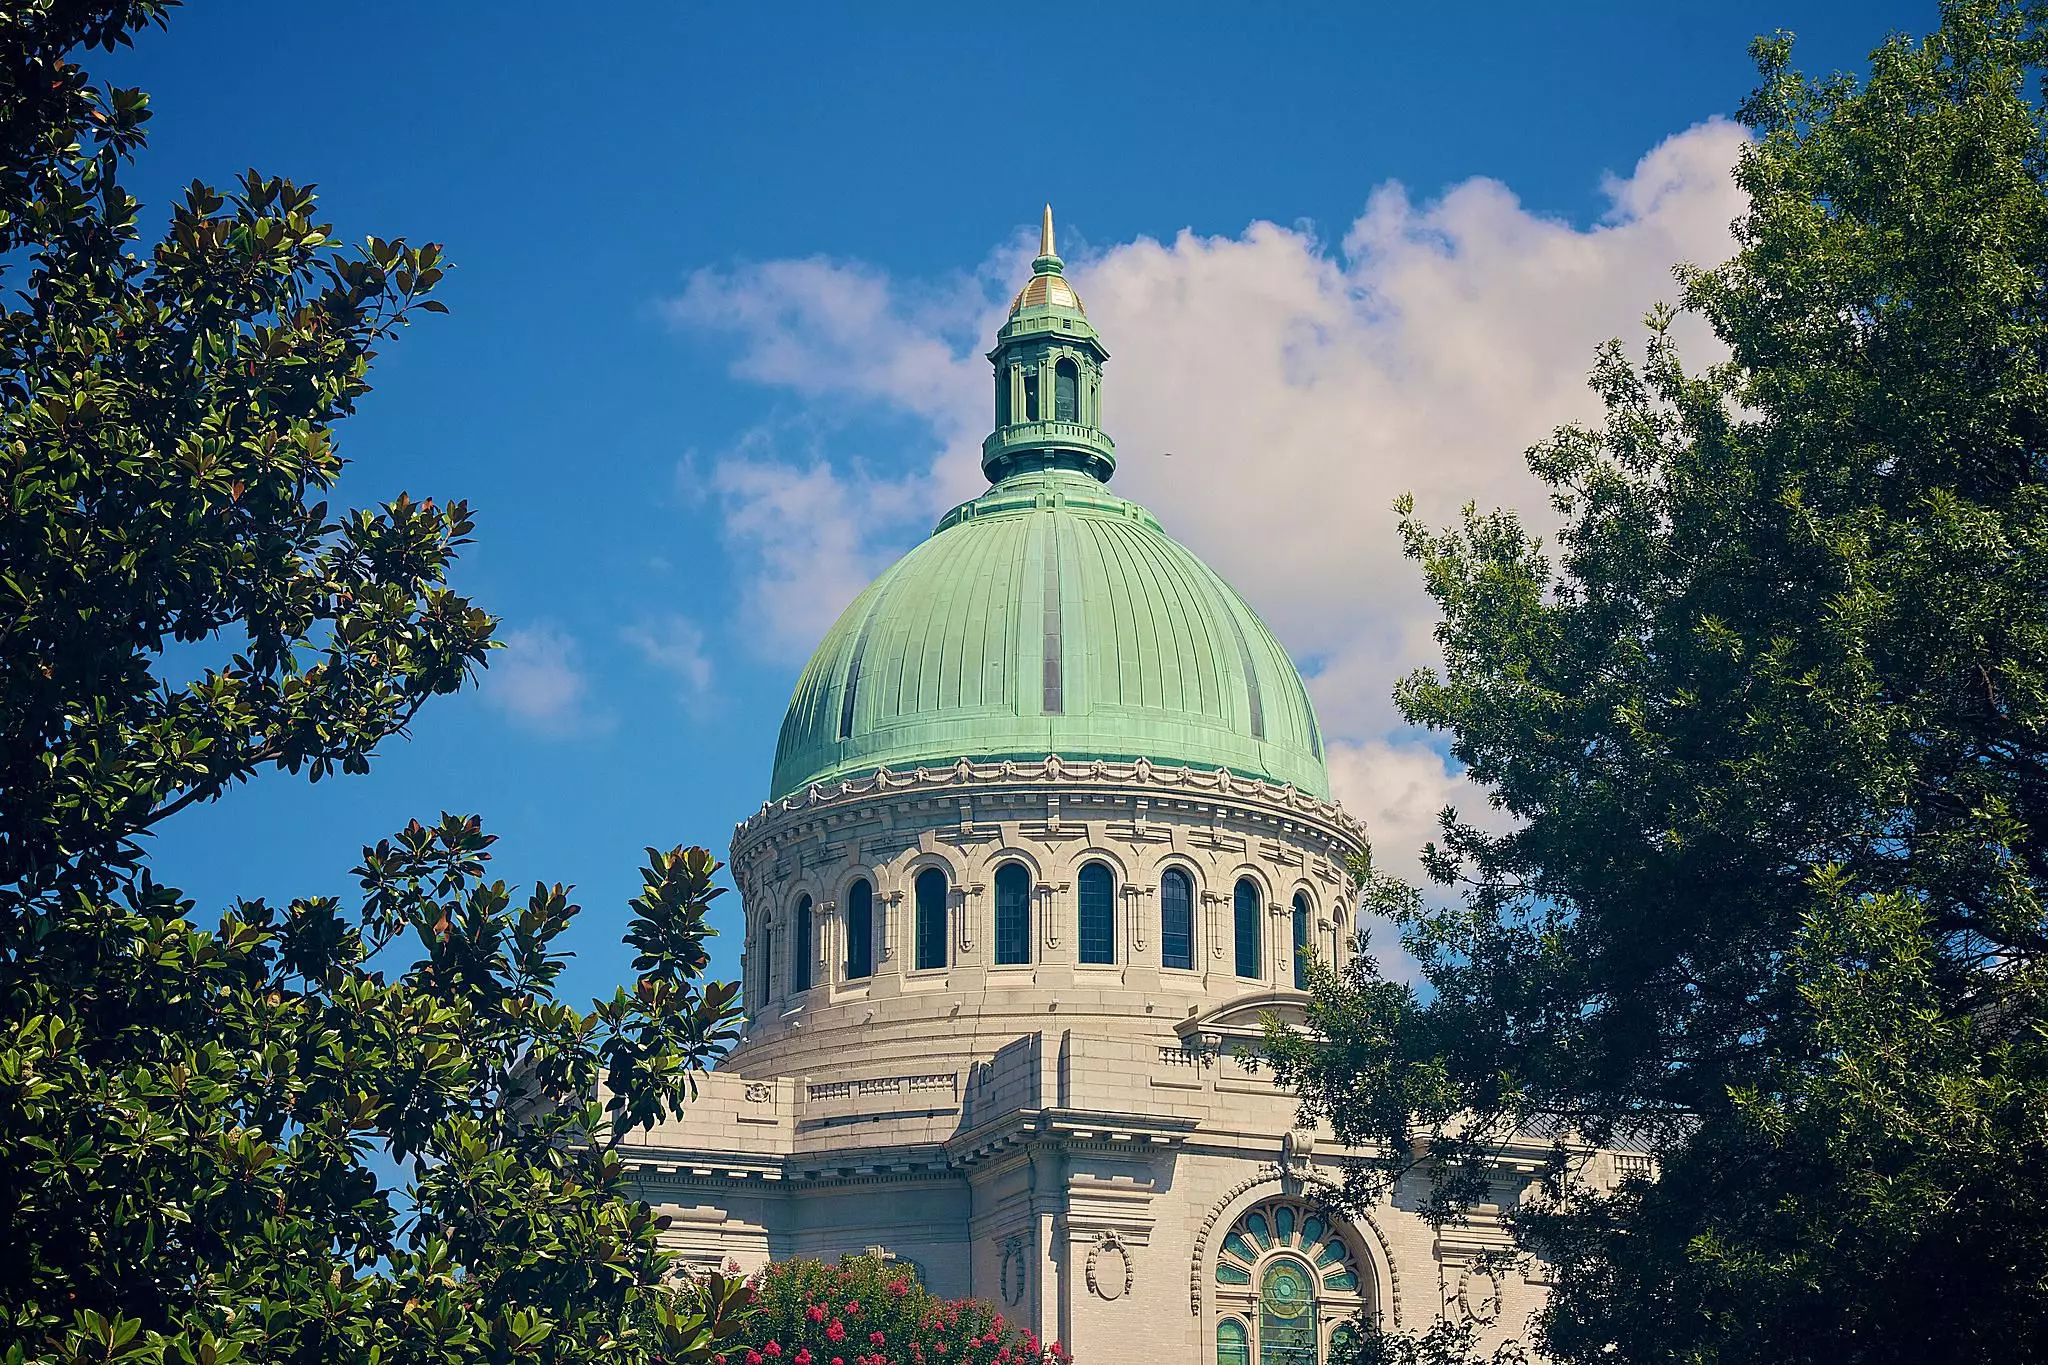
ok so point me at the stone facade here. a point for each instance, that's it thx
(1094, 1146)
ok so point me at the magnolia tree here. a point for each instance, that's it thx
(354, 1127)
(869, 1311)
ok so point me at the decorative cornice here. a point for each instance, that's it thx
(1053, 770)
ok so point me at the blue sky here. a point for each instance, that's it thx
(723, 273)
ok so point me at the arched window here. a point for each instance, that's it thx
(1233, 1343)
(802, 950)
(767, 960)
(1281, 1267)
(1304, 946)
(931, 919)
(1031, 393)
(1176, 919)
(1287, 1314)
(860, 930)
(1098, 913)
(1066, 392)
(1246, 905)
(1013, 914)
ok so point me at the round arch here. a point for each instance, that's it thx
(1379, 1277)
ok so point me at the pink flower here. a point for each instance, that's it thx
(899, 1287)
(853, 1308)
(876, 1339)
(753, 1358)
(816, 1312)
(772, 1349)
(802, 1356)
(836, 1333)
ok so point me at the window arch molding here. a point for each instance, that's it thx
(800, 919)
(1014, 942)
(904, 928)
(1379, 1273)
(1302, 934)
(1097, 925)
(844, 955)
(1249, 930)
(1278, 1234)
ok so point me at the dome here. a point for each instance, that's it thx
(1047, 291)
(1049, 616)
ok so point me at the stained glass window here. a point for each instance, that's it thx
(1013, 915)
(1176, 919)
(931, 919)
(1287, 1314)
(1233, 1343)
(1098, 914)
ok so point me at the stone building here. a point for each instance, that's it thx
(1049, 833)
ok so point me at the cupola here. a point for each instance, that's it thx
(1048, 363)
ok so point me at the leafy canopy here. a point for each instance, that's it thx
(1772, 723)
(202, 1122)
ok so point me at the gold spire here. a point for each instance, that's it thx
(1045, 235)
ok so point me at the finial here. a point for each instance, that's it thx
(1045, 235)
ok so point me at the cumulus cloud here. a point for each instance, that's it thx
(1270, 394)
(536, 682)
(1398, 789)
(675, 645)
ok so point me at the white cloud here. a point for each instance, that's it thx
(536, 682)
(1299, 387)
(806, 534)
(1398, 789)
(675, 645)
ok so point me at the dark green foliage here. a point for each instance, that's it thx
(206, 1127)
(1774, 727)
(1444, 1343)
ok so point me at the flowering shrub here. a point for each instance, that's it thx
(865, 1311)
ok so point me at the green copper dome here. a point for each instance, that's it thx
(1049, 616)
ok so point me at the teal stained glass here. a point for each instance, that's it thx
(1255, 1228)
(1233, 1343)
(1283, 1223)
(1237, 1246)
(1312, 1230)
(1287, 1315)
(1226, 1273)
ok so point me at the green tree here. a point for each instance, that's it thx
(1771, 721)
(202, 1123)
